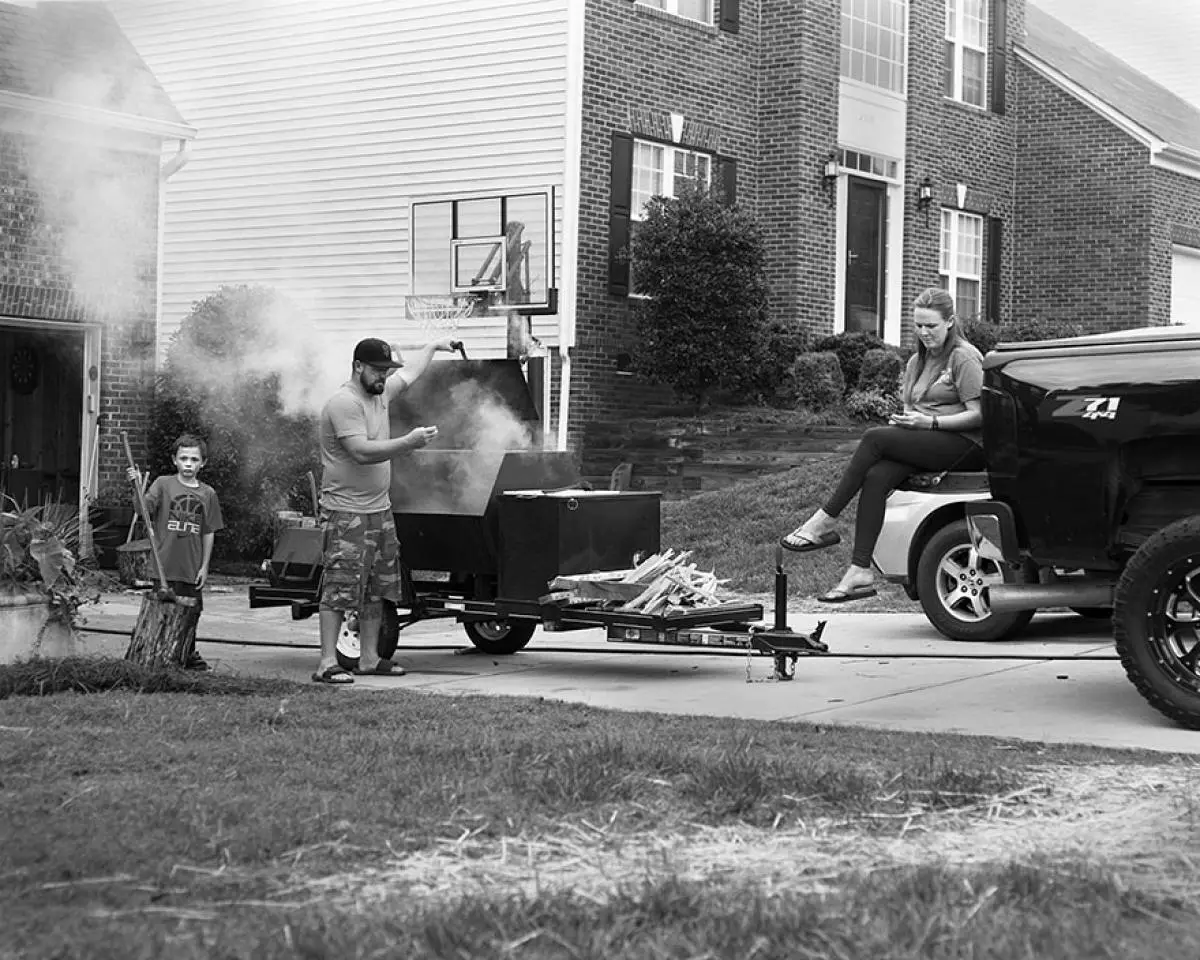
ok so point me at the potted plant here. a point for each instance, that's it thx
(41, 585)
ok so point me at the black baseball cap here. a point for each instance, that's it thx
(378, 353)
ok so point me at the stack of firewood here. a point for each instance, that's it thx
(660, 582)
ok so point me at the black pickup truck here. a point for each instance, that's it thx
(1093, 467)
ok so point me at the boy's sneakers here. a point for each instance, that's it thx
(196, 662)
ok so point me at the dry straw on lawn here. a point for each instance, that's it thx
(1139, 822)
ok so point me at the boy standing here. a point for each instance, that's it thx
(186, 516)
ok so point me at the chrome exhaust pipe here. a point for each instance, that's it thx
(1031, 596)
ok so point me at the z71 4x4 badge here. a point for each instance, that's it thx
(1089, 408)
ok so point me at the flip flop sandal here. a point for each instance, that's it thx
(798, 544)
(334, 675)
(845, 596)
(384, 668)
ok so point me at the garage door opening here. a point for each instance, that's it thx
(1185, 285)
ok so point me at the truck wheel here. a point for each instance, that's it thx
(348, 647)
(1156, 614)
(952, 582)
(499, 637)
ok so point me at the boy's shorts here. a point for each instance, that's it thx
(182, 588)
(360, 560)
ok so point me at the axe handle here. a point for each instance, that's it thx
(145, 515)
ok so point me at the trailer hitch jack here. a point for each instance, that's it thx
(784, 644)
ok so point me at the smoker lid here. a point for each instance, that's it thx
(454, 384)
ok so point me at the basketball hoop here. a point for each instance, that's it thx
(439, 315)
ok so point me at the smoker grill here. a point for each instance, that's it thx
(448, 499)
(486, 518)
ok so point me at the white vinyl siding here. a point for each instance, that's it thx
(320, 122)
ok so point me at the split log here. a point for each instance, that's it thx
(165, 631)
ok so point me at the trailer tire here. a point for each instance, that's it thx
(348, 643)
(1155, 613)
(500, 637)
(962, 612)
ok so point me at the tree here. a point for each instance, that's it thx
(229, 378)
(699, 264)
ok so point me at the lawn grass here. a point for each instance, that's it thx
(279, 824)
(735, 531)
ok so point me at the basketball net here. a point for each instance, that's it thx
(439, 315)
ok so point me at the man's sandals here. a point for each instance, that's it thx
(335, 675)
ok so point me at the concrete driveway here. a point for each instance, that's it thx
(1060, 682)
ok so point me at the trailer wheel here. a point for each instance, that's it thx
(952, 582)
(348, 648)
(499, 637)
(1156, 621)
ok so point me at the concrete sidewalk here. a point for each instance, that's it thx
(1060, 682)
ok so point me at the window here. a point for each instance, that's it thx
(660, 170)
(965, 68)
(701, 10)
(961, 264)
(873, 35)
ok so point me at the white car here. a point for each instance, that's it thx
(925, 547)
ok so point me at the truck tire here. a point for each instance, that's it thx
(500, 637)
(348, 642)
(1155, 616)
(951, 587)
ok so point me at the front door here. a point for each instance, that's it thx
(866, 233)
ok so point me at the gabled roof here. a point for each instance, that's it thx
(73, 56)
(1133, 95)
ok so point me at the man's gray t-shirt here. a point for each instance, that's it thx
(346, 485)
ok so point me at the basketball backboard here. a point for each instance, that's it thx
(498, 247)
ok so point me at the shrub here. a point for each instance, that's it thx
(218, 384)
(881, 371)
(701, 265)
(1023, 331)
(779, 343)
(850, 349)
(818, 380)
(872, 404)
(986, 335)
(982, 333)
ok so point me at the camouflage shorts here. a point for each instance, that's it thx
(361, 560)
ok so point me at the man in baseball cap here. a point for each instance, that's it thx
(376, 353)
(361, 556)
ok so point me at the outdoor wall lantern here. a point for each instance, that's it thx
(829, 175)
(925, 196)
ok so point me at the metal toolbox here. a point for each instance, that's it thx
(547, 534)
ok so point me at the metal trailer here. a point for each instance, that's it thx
(485, 528)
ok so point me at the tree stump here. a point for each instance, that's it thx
(165, 630)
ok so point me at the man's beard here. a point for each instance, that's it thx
(372, 385)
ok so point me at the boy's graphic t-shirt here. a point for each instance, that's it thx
(181, 516)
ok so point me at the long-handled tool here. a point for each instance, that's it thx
(165, 592)
(312, 490)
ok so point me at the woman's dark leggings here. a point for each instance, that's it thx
(885, 458)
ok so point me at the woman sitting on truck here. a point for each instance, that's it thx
(938, 430)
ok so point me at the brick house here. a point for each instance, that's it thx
(885, 145)
(82, 128)
(1108, 201)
